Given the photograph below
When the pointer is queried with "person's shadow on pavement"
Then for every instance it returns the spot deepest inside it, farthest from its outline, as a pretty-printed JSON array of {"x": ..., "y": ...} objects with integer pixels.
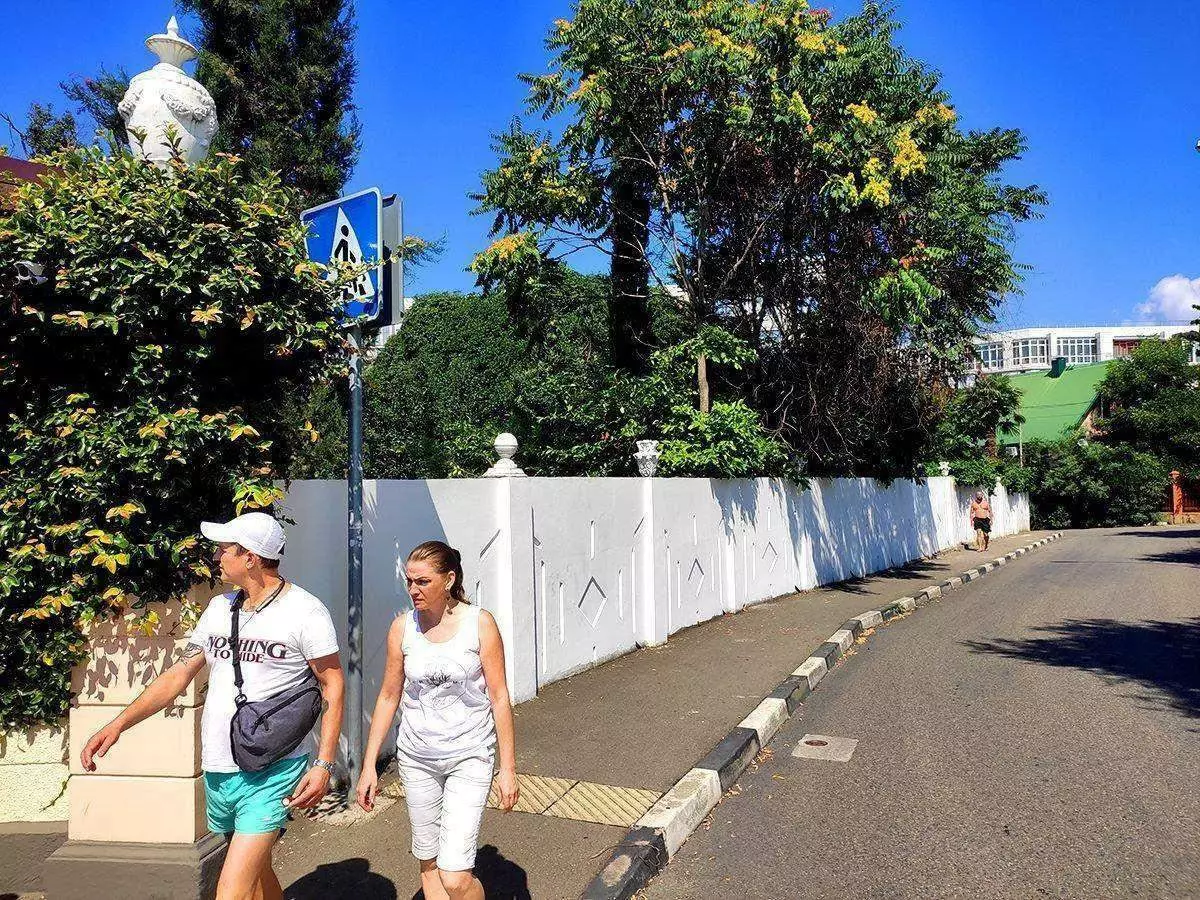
[
  {"x": 350, "y": 878},
  {"x": 502, "y": 879}
]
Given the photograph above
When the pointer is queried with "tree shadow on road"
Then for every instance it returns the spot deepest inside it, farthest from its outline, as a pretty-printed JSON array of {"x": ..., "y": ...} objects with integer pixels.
[
  {"x": 1173, "y": 531},
  {"x": 1183, "y": 557},
  {"x": 1161, "y": 656}
]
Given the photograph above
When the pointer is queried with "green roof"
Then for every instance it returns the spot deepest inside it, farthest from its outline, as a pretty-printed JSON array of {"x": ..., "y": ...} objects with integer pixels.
[{"x": 1053, "y": 406}]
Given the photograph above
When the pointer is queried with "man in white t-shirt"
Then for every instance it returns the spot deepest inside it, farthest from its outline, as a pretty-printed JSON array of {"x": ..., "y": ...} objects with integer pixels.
[{"x": 285, "y": 636}]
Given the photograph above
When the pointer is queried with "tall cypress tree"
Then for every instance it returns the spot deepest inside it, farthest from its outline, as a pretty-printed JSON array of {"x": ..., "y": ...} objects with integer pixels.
[{"x": 282, "y": 74}]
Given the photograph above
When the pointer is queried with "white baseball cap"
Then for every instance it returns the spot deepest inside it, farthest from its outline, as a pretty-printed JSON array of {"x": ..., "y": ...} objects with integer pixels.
[{"x": 256, "y": 531}]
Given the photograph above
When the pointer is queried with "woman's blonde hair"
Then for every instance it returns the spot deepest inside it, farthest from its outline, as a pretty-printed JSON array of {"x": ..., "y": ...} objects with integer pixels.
[{"x": 444, "y": 559}]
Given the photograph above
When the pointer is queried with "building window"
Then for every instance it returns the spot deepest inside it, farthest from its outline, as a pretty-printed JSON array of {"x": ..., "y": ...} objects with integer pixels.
[
  {"x": 991, "y": 356},
  {"x": 1031, "y": 352},
  {"x": 1194, "y": 352},
  {"x": 1122, "y": 347},
  {"x": 1077, "y": 350}
]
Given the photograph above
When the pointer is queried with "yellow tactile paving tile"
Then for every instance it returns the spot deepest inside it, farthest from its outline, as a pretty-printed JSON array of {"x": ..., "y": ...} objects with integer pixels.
[
  {"x": 603, "y": 804},
  {"x": 537, "y": 793},
  {"x": 564, "y": 798}
]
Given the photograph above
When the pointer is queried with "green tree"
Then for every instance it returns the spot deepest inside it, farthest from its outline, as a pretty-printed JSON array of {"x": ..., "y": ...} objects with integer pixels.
[
  {"x": 461, "y": 370},
  {"x": 803, "y": 182},
  {"x": 974, "y": 414},
  {"x": 95, "y": 99},
  {"x": 282, "y": 74},
  {"x": 1153, "y": 404},
  {"x": 45, "y": 131},
  {"x": 435, "y": 396},
  {"x": 182, "y": 313},
  {"x": 1076, "y": 483}
]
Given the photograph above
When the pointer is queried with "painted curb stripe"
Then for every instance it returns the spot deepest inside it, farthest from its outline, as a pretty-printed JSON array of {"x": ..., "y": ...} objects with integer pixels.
[
  {"x": 792, "y": 691},
  {"x": 843, "y": 637},
  {"x": 869, "y": 619},
  {"x": 681, "y": 809},
  {"x": 766, "y": 719},
  {"x": 899, "y": 607},
  {"x": 658, "y": 835},
  {"x": 640, "y": 856},
  {"x": 730, "y": 757},
  {"x": 812, "y": 670},
  {"x": 831, "y": 653}
]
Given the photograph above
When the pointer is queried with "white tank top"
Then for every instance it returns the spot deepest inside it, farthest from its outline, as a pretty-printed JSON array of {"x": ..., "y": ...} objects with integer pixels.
[{"x": 445, "y": 711}]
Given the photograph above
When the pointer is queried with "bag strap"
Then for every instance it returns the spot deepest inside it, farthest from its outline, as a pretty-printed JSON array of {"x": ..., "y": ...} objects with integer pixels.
[{"x": 235, "y": 614}]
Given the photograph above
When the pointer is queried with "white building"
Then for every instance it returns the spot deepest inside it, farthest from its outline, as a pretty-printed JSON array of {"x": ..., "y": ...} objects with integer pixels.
[{"x": 1029, "y": 349}]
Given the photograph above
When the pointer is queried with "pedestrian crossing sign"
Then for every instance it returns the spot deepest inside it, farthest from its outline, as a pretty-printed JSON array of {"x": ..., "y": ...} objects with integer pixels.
[{"x": 348, "y": 231}]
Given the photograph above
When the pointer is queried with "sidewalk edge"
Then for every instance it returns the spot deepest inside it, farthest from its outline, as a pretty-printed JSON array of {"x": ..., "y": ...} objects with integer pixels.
[{"x": 655, "y": 838}]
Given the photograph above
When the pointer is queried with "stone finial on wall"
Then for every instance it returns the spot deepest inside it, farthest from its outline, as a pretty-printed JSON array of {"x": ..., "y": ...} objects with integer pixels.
[
  {"x": 506, "y": 449},
  {"x": 647, "y": 458},
  {"x": 165, "y": 104}
]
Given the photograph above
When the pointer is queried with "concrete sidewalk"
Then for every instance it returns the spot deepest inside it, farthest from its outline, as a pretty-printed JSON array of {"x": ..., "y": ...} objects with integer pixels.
[{"x": 639, "y": 722}]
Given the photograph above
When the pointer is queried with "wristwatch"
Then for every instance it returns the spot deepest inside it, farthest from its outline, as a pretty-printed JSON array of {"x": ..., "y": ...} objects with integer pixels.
[{"x": 324, "y": 764}]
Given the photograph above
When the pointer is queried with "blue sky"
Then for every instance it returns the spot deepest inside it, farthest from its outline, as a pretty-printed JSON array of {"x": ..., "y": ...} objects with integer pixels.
[{"x": 1105, "y": 92}]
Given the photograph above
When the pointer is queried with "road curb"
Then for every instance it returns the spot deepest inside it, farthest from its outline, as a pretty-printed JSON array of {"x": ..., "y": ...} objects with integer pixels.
[{"x": 657, "y": 836}]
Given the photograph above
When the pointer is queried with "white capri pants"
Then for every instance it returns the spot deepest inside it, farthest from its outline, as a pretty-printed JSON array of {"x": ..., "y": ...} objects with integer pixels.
[{"x": 445, "y": 806}]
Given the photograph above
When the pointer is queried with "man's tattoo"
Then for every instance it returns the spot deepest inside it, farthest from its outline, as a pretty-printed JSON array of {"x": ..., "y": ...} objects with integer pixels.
[{"x": 191, "y": 651}]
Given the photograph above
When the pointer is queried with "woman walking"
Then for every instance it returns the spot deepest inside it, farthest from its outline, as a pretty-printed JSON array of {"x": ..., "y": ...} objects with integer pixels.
[{"x": 445, "y": 664}]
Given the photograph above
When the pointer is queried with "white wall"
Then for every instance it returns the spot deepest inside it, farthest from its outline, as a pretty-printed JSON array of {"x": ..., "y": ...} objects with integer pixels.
[{"x": 580, "y": 570}]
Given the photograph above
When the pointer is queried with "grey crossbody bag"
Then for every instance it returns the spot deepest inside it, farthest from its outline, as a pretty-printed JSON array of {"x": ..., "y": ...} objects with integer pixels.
[{"x": 263, "y": 732}]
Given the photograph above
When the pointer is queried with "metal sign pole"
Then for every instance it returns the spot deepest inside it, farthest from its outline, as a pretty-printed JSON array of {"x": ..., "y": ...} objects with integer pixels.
[
  {"x": 354, "y": 649},
  {"x": 346, "y": 231}
]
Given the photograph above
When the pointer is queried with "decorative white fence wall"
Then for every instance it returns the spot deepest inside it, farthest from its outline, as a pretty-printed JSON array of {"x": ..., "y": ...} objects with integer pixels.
[{"x": 579, "y": 570}]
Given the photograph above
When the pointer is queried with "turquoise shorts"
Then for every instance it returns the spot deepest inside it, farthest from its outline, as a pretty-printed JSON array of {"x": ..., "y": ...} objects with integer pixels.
[{"x": 252, "y": 802}]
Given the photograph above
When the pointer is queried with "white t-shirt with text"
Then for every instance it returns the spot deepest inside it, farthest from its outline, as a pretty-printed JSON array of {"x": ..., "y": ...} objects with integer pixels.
[{"x": 276, "y": 641}]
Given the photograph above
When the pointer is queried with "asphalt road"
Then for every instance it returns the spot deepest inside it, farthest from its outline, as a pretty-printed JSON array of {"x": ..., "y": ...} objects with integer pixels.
[{"x": 1034, "y": 734}]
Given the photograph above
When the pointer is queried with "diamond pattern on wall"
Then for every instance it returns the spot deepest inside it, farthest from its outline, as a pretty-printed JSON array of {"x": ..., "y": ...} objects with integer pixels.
[
  {"x": 593, "y": 601},
  {"x": 696, "y": 576},
  {"x": 770, "y": 553}
]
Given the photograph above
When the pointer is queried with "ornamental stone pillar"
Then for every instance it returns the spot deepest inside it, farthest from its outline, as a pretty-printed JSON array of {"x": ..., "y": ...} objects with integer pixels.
[{"x": 137, "y": 827}]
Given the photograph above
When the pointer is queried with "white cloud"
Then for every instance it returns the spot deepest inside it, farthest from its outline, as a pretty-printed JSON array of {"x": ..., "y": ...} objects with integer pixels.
[{"x": 1172, "y": 300}]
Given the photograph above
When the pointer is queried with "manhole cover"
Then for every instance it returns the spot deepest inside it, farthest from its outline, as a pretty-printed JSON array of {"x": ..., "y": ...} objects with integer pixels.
[{"x": 823, "y": 746}]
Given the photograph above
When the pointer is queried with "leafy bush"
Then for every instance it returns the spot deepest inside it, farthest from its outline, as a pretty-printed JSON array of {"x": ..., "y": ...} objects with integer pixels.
[
  {"x": 1085, "y": 484},
  {"x": 726, "y": 442},
  {"x": 587, "y": 420},
  {"x": 143, "y": 389},
  {"x": 434, "y": 398}
]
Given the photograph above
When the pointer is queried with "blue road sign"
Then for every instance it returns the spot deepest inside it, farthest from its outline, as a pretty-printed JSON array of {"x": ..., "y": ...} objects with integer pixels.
[{"x": 348, "y": 231}]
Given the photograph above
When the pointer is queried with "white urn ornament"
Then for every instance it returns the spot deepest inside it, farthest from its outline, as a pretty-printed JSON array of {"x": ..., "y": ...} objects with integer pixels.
[
  {"x": 165, "y": 106},
  {"x": 647, "y": 458}
]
